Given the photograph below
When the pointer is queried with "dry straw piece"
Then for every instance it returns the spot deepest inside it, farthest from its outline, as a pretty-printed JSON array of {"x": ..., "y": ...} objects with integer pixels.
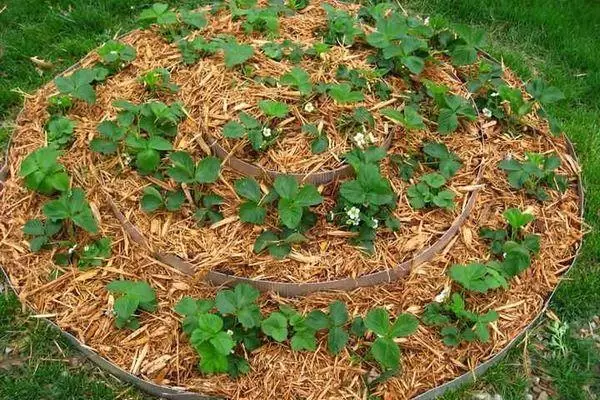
[{"x": 158, "y": 351}]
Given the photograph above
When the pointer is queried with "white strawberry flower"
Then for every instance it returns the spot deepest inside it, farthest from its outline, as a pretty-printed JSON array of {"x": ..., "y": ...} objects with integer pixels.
[
  {"x": 487, "y": 112},
  {"x": 426, "y": 22},
  {"x": 359, "y": 139},
  {"x": 440, "y": 298},
  {"x": 309, "y": 107},
  {"x": 72, "y": 249},
  {"x": 495, "y": 94},
  {"x": 372, "y": 139},
  {"x": 266, "y": 132},
  {"x": 375, "y": 223}
]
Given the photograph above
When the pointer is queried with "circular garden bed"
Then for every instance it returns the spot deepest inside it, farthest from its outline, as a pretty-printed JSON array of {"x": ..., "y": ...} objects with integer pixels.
[{"x": 390, "y": 206}]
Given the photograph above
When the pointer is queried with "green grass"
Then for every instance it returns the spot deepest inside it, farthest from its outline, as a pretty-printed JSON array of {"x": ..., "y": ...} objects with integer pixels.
[{"x": 558, "y": 40}]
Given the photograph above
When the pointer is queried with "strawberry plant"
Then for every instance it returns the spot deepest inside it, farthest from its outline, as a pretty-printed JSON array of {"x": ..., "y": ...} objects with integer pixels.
[
  {"x": 59, "y": 131},
  {"x": 252, "y": 210},
  {"x": 463, "y": 50},
  {"x": 172, "y": 25},
  {"x": 400, "y": 42},
  {"x": 158, "y": 80},
  {"x": 207, "y": 207},
  {"x": 278, "y": 245},
  {"x": 294, "y": 200},
  {"x": 337, "y": 335},
  {"x": 450, "y": 107},
  {"x": 241, "y": 303},
  {"x": 184, "y": 170},
  {"x": 384, "y": 349},
  {"x": 235, "y": 53},
  {"x": 133, "y": 295},
  {"x": 406, "y": 165},
  {"x": 303, "y": 327},
  {"x": 192, "y": 50},
  {"x": 478, "y": 277},
  {"x": 110, "y": 136},
  {"x": 147, "y": 152},
  {"x": 153, "y": 200},
  {"x": 408, "y": 117},
  {"x": 341, "y": 28},
  {"x": 264, "y": 20},
  {"x": 79, "y": 84},
  {"x": 59, "y": 104},
  {"x": 488, "y": 77},
  {"x": 298, "y": 79},
  {"x": 366, "y": 200},
  {"x": 274, "y": 109},
  {"x": 285, "y": 50},
  {"x": 72, "y": 207},
  {"x": 428, "y": 192},
  {"x": 512, "y": 245},
  {"x": 535, "y": 174},
  {"x": 439, "y": 157},
  {"x": 41, "y": 233},
  {"x": 94, "y": 254},
  {"x": 320, "y": 142},
  {"x": 191, "y": 309},
  {"x": 260, "y": 136},
  {"x": 342, "y": 93},
  {"x": 213, "y": 344},
  {"x": 457, "y": 323},
  {"x": 42, "y": 173},
  {"x": 115, "y": 55}
]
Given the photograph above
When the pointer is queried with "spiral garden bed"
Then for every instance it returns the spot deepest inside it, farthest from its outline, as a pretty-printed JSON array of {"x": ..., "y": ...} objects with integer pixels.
[{"x": 383, "y": 185}]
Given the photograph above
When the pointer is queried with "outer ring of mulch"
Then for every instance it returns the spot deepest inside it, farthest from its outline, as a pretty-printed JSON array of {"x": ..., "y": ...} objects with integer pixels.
[
  {"x": 292, "y": 289},
  {"x": 172, "y": 393},
  {"x": 316, "y": 178}
]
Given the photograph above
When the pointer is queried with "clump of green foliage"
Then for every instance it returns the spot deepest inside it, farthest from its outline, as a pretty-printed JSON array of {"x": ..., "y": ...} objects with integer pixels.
[
  {"x": 158, "y": 80},
  {"x": 536, "y": 173},
  {"x": 429, "y": 192},
  {"x": 342, "y": 28},
  {"x": 152, "y": 199},
  {"x": 115, "y": 55},
  {"x": 133, "y": 295},
  {"x": 366, "y": 202},
  {"x": 79, "y": 85},
  {"x": 42, "y": 172},
  {"x": 224, "y": 330},
  {"x": 173, "y": 25},
  {"x": 456, "y": 323}
]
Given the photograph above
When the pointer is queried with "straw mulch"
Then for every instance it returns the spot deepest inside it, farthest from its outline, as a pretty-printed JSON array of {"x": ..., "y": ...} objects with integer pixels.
[{"x": 79, "y": 303}]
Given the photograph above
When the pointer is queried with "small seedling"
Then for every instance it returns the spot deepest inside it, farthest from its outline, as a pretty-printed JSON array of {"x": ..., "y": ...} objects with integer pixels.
[
  {"x": 457, "y": 323},
  {"x": 191, "y": 309},
  {"x": 320, "y": 143},
  {"x": 115, "y": 55},
  {"x": 278, "y": 245},
  {"x": 384, "y": 349},
  {"x": 158, "y": 80},
  {"x": 213, "y": 344},
  {"x": 59, "y": 104},
  {"x": 463, "y": 50},
  {"x": 208, "y": 208},
  {"x": 535, "y": 174},
  {"x": 134, "y": 295},
  {"x": 42, "y": 173},
  {"x": 428, "y": 192},
  {"x": 153, "y": 200},
  {"x": 94, "y": 254}
]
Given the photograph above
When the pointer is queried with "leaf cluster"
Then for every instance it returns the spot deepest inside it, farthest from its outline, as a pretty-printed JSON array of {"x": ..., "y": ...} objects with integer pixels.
[
  {"x": 158, "y": 80},
  {"x": 59, "y": 131},
  {"x": 457, "y": 323},
  {"x": 172, "y": 24},
  {"x": 152, "y": 199},
  {"x": 536, "y": 173},
  {"x": 259, "y": 135},
  {"x": 79, "y": 85},
  {"x": 42, "y": 172},
  {"x": 320, "y": 141},
  {"x": 41, "y": 233},
  {"x": 115, "y": 55},
  {"x": 429, "y": 192},
  {"x": 72, "y": 207},
  {"x": 342, "y": 28},
  {"x": 133, "y": 295}
]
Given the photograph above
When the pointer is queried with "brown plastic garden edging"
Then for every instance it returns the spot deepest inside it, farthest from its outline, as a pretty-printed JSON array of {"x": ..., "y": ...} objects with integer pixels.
[
  {"x": 291, "y": 289},
  {"x": 316, "y": 178}
]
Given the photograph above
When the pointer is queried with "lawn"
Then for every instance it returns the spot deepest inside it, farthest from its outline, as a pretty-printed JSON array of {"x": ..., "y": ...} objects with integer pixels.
[{"x": 557, "y": 40}]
